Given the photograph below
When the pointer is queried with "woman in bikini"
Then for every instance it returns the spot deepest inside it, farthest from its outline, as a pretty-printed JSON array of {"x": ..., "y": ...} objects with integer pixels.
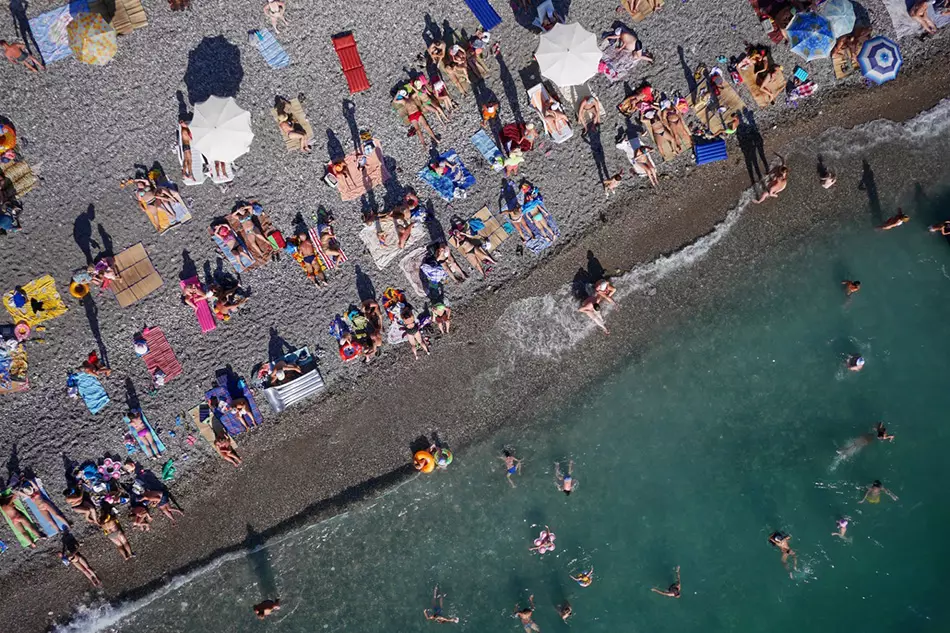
[
  {"x": 425, "y": 98},
  {"x": 144, "y": 434},
  {"x": 294, "y": 131},
  {"x": 80, "y": 503},
  {"x": 111, "y": 528},
  {"x": 470, "y": 247},
  {"x": 186, "y": 170},
  {"x": 329, "y": 243},
  {"x": 159, "y": 499},
  {"x": 641, "y": 158},
  {"x": 781, "y": 541},
  {"x": 661, "y": 134},
  {"x": 254, "y": 238},
  {"x": 456, "y": 66},
  {"x": 441, "y": 94},
  {"x": 515, "y": 215},
  {"x": 674, "y": 590},
  {"x": 775, "y": 181},
  {"x": 153, "y": 200},
  {"x": 31, "y": 490},
  {"x": 412, "y": 331},
  {"x": 443, "y": 255},
  {"x": 20, "y": 521},
  {"x": 534, "y": 207},
  {"x": 675, "y": 124},
  {"x": 226, "y": 451},
  {"x": 71, "y": 554}
]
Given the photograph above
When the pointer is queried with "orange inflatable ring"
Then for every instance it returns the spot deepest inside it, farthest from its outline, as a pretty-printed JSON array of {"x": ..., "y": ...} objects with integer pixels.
[
  {"x": 424, "y": 461},
  {"x": 7, "y": 137},
  {"x": 78, "y": 290}
]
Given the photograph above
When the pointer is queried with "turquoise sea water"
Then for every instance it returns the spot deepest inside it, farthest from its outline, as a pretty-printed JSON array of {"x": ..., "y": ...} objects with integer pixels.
[{"x": 717, "y": 436}]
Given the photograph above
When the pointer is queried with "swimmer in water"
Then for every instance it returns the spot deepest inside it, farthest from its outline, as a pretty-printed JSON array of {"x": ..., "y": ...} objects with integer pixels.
[
  {"x": 564, "y": 482},
  {"x": 585, "y": 578},
  {"x": 842, "y": 528},
  {"x": 941, "y": 227},
  {"x": 882, "y": 435},
  {"x": 781, "y": 541},
  {"x": 895, "y": 221},
  {"x": 873, "y": 494},
  {"x": 512, "y": 466},
  {"x": 266, "y": 607},
  {"x": 524, "y": 615},
  {"x": 855, "y": 362},
  {"x": 435, "y": 613},
  {"x": 674, "y": 590},
  {"x": 565, "y": 611},
  {"x": 850, "y": 287}
]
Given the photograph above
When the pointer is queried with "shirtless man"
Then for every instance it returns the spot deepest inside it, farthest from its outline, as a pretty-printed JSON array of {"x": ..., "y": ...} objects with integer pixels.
[
  {"x": 265, "y": 608},
  {"x": 626, "y": 41},
  {"x": 674, "y": 590},
  {"x": 775, "y": 181},
  {"x": 639, "y": 8},
  {"x": 554, "y": 118},
  {"x": 781, "y": 541},
  {"x": 524, "y": 616},
  {"x": 435, "y": 613},
  {"x": 279, "y": 371},
  {"x": 186, "y": 137},
  {"x": 226, "y": 451},
  {"x": 512, "y": 466},
  {"x": 873, "y": 493},
  {"x": 565, "y": 482},
  {"x": 417, "y": 121},
  {"x": 850, "y": 287},
  {"x": 16, "y": 53},
  {"x": 308, "y": 255},
  {"x": 21, "y": 522},
  {"x": 590, "y": 307}
]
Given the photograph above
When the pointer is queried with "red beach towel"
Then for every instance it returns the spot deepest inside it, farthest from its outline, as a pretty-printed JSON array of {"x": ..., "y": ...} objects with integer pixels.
[{"x": 160, "y": 354}]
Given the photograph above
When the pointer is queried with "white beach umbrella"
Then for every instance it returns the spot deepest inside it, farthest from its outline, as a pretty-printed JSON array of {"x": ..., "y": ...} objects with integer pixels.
[
  {"x": 221, "y": 129},
  {"x": 840, "y": 14},
  {"x": 568, "y": 55}
]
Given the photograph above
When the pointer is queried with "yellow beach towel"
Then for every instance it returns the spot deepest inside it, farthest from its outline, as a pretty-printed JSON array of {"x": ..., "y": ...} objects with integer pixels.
[{"x": 41, "y": 294}]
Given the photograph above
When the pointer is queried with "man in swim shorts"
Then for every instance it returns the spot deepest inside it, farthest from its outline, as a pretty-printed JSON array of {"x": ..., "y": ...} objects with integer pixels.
[
  {"x": 564, "y": 482},
  {"x": 524, "y": 616},
  {"x": 512, "y": 466},
  {"x": 435, "y": 613},
  {"x": 781, "y": 541},
  {"x": 873, "y": 493},
  {"x": 674, "y": 589},
  {"x": 850, "y": 287}
]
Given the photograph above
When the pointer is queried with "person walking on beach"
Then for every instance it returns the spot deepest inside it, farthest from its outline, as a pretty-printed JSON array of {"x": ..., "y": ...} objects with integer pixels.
[
  {"x": 265, "y": 608},
  {"x": 873, "y": 493},
  {"x": 565, "y": 482},
  {"x": 781, "y": 541},
  {"x": 524, "y": 616},
  {"x": 591, "y": 308},
  {"x": 274, "y": 9},
  {"x": 435, "y": 613},
  {"x": 512, "y": 465},
  {"x": 673, "y": 591}
]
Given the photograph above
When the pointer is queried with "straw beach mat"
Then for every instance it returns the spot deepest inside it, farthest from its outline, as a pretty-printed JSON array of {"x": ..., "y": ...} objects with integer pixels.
[
  {"x": 136, "y": 278},
  {"x": 295, "y": 110}
]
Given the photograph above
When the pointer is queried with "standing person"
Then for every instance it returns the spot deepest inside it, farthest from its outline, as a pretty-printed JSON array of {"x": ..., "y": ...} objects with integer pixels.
[
  {"x": 873, "y": 493},
  {"x": 781, "y": 541},
  {"x": 265, "y": 608},
  {"x": 675, "y": 589},
  {"x": 186, "y": 170},
  {"x": 71, "y": 555},
  {"x": 413, "y": 333},
  {"x": 16, "y": 53},
  {"x": 512, "y": 465},
  {"x": 564, "y": 482},
  {"x": 524, "y": 616},
  {"x": 850, "y": 287},
  {"x": 274, "y": 9},
  {"x": 435, "y": 613}
]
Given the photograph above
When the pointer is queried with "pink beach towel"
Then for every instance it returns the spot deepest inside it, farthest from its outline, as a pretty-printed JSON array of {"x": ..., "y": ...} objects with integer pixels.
[
  {"x": 203, "y": 311},
  {"x": 160, "y": 354}
]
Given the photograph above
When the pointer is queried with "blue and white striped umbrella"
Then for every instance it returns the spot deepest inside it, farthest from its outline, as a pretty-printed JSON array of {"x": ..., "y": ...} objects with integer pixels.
[
  {"x": 810, "y": 36},
  {"x": 880, "y": 59}
]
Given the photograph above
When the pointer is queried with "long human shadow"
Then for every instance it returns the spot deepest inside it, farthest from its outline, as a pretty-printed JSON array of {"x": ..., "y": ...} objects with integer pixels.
[
  {"x": 869, "y": 186},
  {"x": 752, "y": 146},
  {"x": 277, "y": 346},
  {"x": 687, "y": 71},
  {"x": 259, "y": 563},
  {"x": 21, "y": 25},
  {"x": 214, "y": 69},
  {"x": 335, "y": 149},
  {"x": 106, "y": 249},
  {"x": 92, "y": 315},
  {"x": 131, "y": 397},
  {"x": 188, "y": 267},
  {"x": 511, "y": 90},
  {"x": 597, "y": 150},
  {"x": 364, "y": 285},
  {"x": 82, "y": 232},
  {"x": 349, "y": 113}
]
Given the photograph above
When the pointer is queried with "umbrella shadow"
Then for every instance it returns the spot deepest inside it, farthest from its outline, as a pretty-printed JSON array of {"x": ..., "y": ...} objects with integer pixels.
[{"x": 214, "y": 69}]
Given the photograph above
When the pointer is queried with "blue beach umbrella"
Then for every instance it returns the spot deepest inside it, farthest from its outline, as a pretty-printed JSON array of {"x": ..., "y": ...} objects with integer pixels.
[
  {"x": 880, "y": 59},
  {"x": 811, "y": 36}
]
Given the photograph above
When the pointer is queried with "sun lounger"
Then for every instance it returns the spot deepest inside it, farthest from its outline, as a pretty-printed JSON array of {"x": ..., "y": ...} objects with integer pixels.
[
  {"x": 136, "y": 278},
  {"x": 209, "y": 428},
  {"x": 383, "y": 255},
  {"x": 199, "y": 166},
  {"x": 486, "y": 146},
  {"x": 270, "y": 49},
  {"x": 308, "y": 383},
  {"x": 13, "y": 369},
  {"x": 844, "y": 64},
  {"x": 373, "y": 174},
  {"x": 455, "y": 183},
  {"x": 776, "y": 84},
  {"x": 345, "y": 46},
  {"x": 18, "y": 177},
  {"x": 21, "y": 538},
  {"x": 203, "y": 311},
  {"x": 643, "y": 11},
  {"x": 38, "y": 518},
  {"x": 706, "y": 109},
  {"x": 90, "y": 390},
  {"x": 484, "y": 13},
  {"x": 139, "y": 440},
  {"x": 710, "y": 151},
  {"x": 547, "y": 11},
  {"x": 240, "y": 262},
  {"x": 41, "y": 294},
  {"x": 295, "y": 110},
  {"x": 221, "y": 180},
  {"x": 129, "y": 15},
  {"x": 540, "y": 101},
  {"x": 160, "y": 356},
  {"x": 48, "y": 30},
  {"x": 229, "y": 418}
]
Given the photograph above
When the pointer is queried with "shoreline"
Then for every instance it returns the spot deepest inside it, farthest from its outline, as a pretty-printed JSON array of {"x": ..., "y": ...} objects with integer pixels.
[{"x": 545, "y": 277}]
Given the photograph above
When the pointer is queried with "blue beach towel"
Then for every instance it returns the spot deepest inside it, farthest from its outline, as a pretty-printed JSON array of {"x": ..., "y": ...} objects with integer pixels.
[
  {"x": 141, "y": 443},
  {"x": 454, "y": 183},
  {"x": 270, "y": 49},
  {"x": 485, "y": 13},
  {"x": 539, "y": 242},
  {"x": 49, "y": 30},
  {"x": 485, "y": 145},
  {"x": 90, "y": 390},
  {"x": 246, "y": 261},
  {"x": 47, "y": 527},
  {"x": 229, "y": 419}
]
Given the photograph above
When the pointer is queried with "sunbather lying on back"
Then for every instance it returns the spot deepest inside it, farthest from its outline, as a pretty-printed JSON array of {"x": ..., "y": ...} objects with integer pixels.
[
  {"x": 94, "y": 366},
  {"x": 280, "y": 373},
  {"x": 29, "y": 489},
  {"x": 194, "y": 295},
  {"x": 254, "y": 238},
  {"x": 141, "y": 518},
  {"x": 329, "y": 243},
  {"x": 79, "y": 501},
  {"x": 294, "y": 131},
  {"x": 443, "y": 255},
  {"x": 144, "y": 434},
  {"x": 20, "y": 520},
  {"x": 226, "y": 450},
  {"x": 919, "y": 13},
  {"x": 554, "y": 118},
  {"x": 413, "y": 112},
  {"x": 156, "y": 200},
  {"x": 308, "y": 258},
  {"x": 471, "y": 247},
  {"x": 159, "y": 499},
  {"x": 230, "y": 241}
]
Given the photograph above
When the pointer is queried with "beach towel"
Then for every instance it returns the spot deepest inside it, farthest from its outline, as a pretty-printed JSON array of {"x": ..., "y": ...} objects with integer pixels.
[
  {"x": 540, "y": 101},
  {"x": 176, "y": 212},
  {"x": 484, "y": 13},
  {"x": 372, "y": 174},
  {"x": 453, "y": 184},
  {"x": 13, "y": 368},
  {"x": 38, "y": 518},
  {"x": 539, "y": 242},
  {"x": 547, "y": 11},
  {"x": 205, "y": 423},
  {"x": 18, "y": 177},
  {"x": 224, "y": 179},
  {"x": 776, "y": 84},
  {"x": 90, "y": 390},
  {"x": 229, "y": 419},
  {"x": 129, "y": 16},
  {"x": 270, "y": 49},
  {"x": 326, "y": 261},
  {"x": 20, "y": 536},
  {"x": 49, "y": 30},
  {"x": 410, "y": 265},
  {"x": 350, "y": 62},
  {"x": 43, "y": 302},
  {"x": 295, "y": 110},
  {"x": 707, "y": 107},
  {"x": 383, "y": 255},
  {"x": 136, "y": 278},
  {"x": 199, "y": 167},
  {"x": 160, "y": 356},
  {"x": 139, "y": 440},
  {"x": 617, "y": 63},
  {"x": 240, "y": 262},
  {"x": 485, "y": 145},
  {"x": 904, "y": 25},
  {"x": 645, "y": 9},
  {"x": 263, "y": 224},
  {"x": 844, "y": 64},
  {"x": 203, "y": 311}
]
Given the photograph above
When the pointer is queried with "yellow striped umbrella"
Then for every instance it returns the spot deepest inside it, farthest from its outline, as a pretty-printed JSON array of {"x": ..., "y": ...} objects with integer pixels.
[{"x": 91, "y": 39}]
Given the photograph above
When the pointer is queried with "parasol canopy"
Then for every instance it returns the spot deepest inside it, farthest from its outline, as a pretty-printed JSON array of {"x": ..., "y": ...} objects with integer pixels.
[{"x": 221, "y": 129}]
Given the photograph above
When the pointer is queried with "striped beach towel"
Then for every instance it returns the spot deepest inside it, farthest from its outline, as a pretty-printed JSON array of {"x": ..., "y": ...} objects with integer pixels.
[
  {"x": 273, "y": 53},
  {"x": 328, "y": 263},
  {"x": 203, "y": 311},
  {"x": 160, "y": 356}
]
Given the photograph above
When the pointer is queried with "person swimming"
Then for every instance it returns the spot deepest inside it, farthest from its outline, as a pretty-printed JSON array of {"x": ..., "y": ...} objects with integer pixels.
[
  {"x": 855, "y": 362},
  {"x": 674, "y": 590},
  {"x": 585, "y": 578},
  {"x": 895, "y": 221},
  {"x": 781, "y": 541},
  {"x": 524, "y": 616},
  {"x": 435, "y": 613},
  {"x": 565, "y": 611},
  {"x": 512, "y": 466},
  {"x": 265, "y": 608},
  {"x": 565, "y": 482},
  {"x": 873, "y": 493},
  {"x": 882, "y": 435},
  {"x": 842, "y": 528},
  {"x": 850, "y": 287}
]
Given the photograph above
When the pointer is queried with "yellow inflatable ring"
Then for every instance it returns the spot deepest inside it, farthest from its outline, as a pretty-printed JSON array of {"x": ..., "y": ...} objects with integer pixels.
[
  {"x": 78, "y": 290},
  {"x": 424, "y": 461},
  {"x": 7, "y": 137}
]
